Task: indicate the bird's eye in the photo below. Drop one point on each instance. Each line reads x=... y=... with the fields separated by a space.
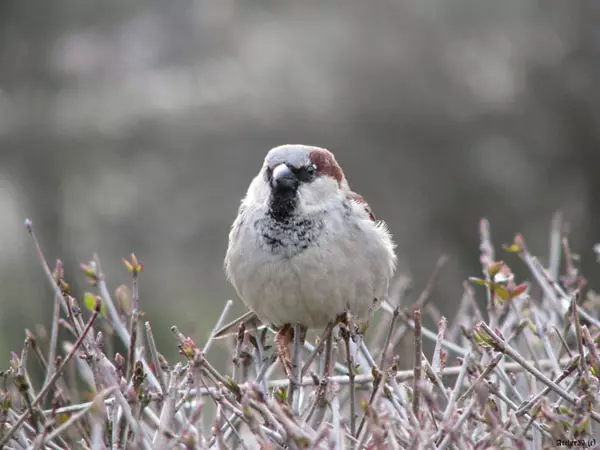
x=306 y=173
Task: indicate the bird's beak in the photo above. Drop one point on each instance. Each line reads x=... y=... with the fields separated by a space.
x=283 y=179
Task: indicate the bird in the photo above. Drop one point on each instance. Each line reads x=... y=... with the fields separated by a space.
x=304 y=248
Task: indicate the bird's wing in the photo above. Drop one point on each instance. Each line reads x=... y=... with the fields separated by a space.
x=362 y=202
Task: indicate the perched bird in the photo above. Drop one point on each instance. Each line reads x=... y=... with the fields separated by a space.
x=304 y=248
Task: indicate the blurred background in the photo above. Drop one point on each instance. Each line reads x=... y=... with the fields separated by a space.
x=136 y=126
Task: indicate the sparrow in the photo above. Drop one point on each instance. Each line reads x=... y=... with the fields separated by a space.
x=304 y=248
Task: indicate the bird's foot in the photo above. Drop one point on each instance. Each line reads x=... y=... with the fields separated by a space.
x=283 y=338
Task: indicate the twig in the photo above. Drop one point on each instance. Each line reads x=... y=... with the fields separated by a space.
x=577 y=324
x=450 y=407
x=408 y=375
x=115 y=320
x=438 y=360
x=373 y=401
x=57 y=292
x=80 y=414
x=426 y=293
x=591 y=346
x=487 y=257
x=53 y=337
x=569 y=369
x=319 y=348
x=351 y=375
x=222 y=317
x=489 y=368
x=546 y=342
x=463 y=416
x=294 y=400
x=555 y=244
x=508 y=350
x=378 y=383
x=133 y=325
x=48 y=385
x=160 y=439
x=433 y=376
x=239 y=341
x=336 y=432
x=432 y=336
x=155 y=359
x=24 y=387
x=319 y=401
x=416 y=401
x=388 y=337
x=423 y=297
x=562 y=345
x=397 y=294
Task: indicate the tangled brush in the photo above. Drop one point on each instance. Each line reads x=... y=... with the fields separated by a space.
x=522 y=374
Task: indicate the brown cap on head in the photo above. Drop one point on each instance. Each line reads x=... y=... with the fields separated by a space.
x=326 y=164
x=297 y=156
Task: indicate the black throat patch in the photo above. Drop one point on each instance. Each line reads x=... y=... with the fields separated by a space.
x=282 y=204
x=289 y=234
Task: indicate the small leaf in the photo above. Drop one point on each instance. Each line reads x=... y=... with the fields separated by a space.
x=90 y=273
x=520 y=289
x=89 y=300
x=134 y=260
x=134 y=266
x=281 y=395
x=128 y=265
x=501 y=291
x=515 y=247
x=478 y=281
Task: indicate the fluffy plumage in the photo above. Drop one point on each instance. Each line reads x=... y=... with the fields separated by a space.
x=304 y=248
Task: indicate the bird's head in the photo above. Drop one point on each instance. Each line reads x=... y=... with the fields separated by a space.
x=299 y=178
